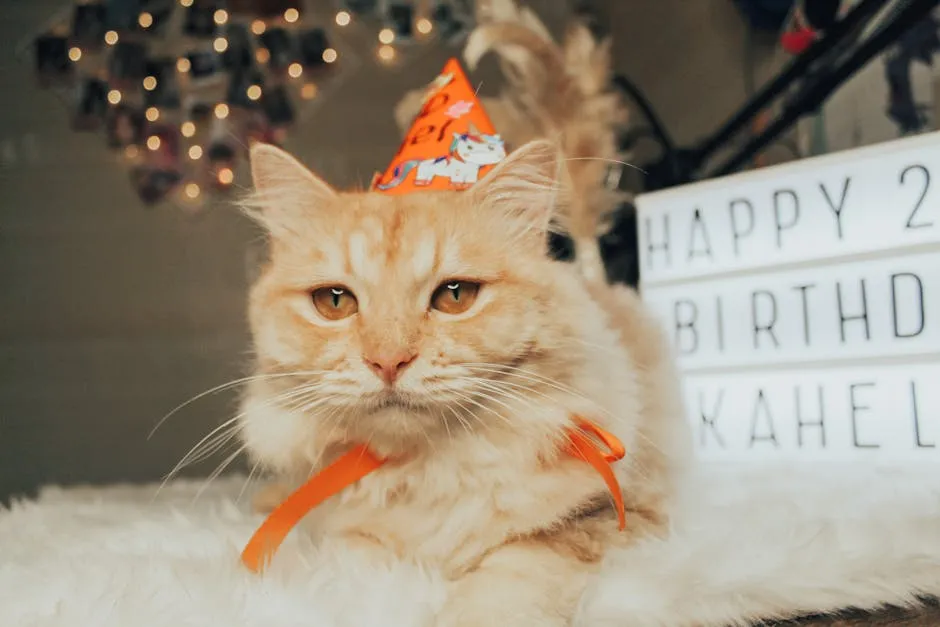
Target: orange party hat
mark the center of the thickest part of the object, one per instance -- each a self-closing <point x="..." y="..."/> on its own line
<point x="451" y="143"/>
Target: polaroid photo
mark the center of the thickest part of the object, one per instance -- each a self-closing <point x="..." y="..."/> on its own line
<point x="205" y="67"/>
<point x="127" y="65"/>
<point x="125" y="126"/>
<point x="223" y="143"/>
<point x="311" y="46"/>
<point x="165" y="92"/>
<point x="199" y="111"/>
<point x="152" y="184"/>
<point x="89" y="24"/>
<point x="451" y="19"/>
<point x="358" y="7"/>
<point x="154" y="17"/>
<point x="200" y="19"/>
<point x="52" y="59"/>
<point x="281" y="45"/>
<point x="242" y="86"/>
<point x="276" y="106"/>
<point x="239" y="53"/>
<point x="256" y="127"/>
<point x="400" y="18"/>
<point x="163" y="153"/>
<point x="265" y="9"/>
<point x="90" y="105"/>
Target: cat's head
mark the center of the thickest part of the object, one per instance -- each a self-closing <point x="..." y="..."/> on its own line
<point x="389" y="317"/>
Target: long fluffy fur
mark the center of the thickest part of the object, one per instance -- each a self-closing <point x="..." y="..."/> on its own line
<point x="479" y="488"/>
<point x="753" y="543"/>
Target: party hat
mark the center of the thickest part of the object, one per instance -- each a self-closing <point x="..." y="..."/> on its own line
<point x="451" y="143"/>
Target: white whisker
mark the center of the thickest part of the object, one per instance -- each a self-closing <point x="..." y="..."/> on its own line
<point x="209" y="438"/>
<point x="534" y="377"/>
<point x="185" y="459"/>
<point x="629" y="165"/>
<point x="225" y="386"/>
<point x="526" y="375"/>
<point x="477" y="403"/>
<point x="328" y="417"/>
<point x="212" y="446"/>
<point x="251" y="475"/>
<point x="463" y="421"/>
<point x="218" y="471"/>
<point x="494" y="386"/>
<point x="443" y="419"/>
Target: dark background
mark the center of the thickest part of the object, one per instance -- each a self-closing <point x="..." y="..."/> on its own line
<point x="111" y="314"/>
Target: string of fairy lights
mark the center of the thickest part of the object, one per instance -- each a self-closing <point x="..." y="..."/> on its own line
<point x="181" y="88"/>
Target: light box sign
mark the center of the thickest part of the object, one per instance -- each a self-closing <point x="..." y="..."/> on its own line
<point x="803" y="304"/>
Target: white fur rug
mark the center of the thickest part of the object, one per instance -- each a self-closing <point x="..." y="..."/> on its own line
<point x="748" y="541"/>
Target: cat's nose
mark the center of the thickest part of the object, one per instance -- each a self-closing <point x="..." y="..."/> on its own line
<point x="390" y="365"/>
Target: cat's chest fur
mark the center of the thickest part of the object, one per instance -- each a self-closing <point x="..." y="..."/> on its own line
<point x="449" y="509"/>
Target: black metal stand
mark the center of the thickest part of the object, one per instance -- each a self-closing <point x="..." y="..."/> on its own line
<point x="805" y="83"/>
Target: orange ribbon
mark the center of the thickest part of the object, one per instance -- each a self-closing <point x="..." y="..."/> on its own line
<point x="360" y="461"/>
<point x="582" y="446"/>
<point x="345" y="471"/>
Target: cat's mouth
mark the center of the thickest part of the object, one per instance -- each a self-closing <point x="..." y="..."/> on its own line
<point x="398" y="398"/>
<point x="434" y="401"/>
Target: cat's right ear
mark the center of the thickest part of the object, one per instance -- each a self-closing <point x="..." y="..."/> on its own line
<point x="284" y="189"/>
<point x="529" y="187"/>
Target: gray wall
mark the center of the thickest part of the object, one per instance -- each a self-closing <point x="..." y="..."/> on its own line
<point x="111" y="314"/>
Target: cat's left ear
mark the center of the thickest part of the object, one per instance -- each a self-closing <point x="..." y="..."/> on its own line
<point x="285" y="189"/>
<point x="528" y="187"/>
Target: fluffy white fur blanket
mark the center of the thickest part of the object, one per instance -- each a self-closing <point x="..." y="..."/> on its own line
<point x="748" y="541"/>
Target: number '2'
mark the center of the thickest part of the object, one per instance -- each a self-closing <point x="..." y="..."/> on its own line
<point x="920" y="201"/>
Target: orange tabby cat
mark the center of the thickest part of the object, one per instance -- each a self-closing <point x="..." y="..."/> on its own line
<point x="435" y="328"/>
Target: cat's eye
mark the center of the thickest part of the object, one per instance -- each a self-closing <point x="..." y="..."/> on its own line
<point x="455" y="297"/>
<point x="335" y="302"/>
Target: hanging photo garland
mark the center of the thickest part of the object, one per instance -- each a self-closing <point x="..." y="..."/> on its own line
<point x="181" y="87"/>
<point x="400" y="27"/>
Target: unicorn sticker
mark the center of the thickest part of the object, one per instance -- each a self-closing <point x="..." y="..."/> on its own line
<point x="469" y="152"/>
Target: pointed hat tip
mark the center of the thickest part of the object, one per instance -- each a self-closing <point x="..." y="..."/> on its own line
<point x="451" y="143"/>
